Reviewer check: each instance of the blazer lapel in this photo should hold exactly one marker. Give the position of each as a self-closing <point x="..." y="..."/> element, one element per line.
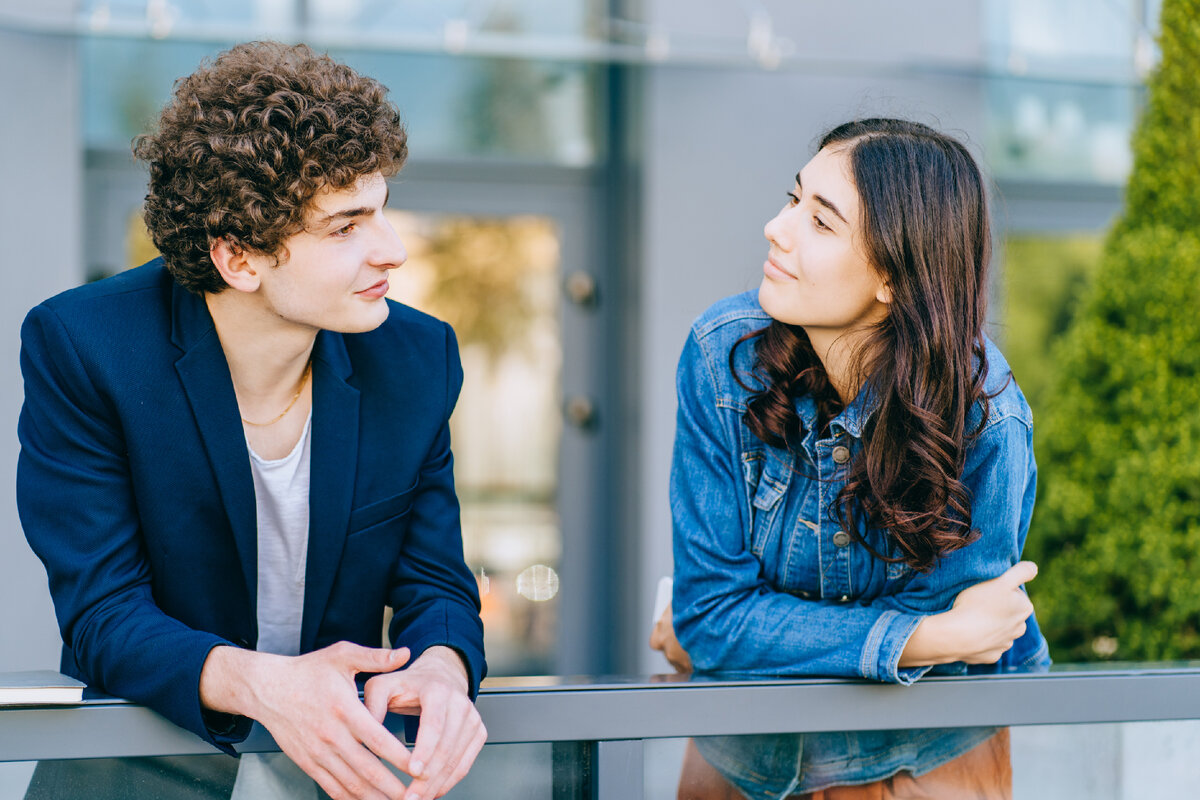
<point x="204" y="373"/>
<point x="334" y="457"/>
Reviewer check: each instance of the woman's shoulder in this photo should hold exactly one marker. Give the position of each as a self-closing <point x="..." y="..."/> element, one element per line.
<point x="1006" y="401"/>
<point x="731" y="318"/>
<point x="714" y="335"/>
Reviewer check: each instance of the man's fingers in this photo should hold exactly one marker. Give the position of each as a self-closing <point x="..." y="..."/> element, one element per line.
<point x="429" y="733"/>
<point x="458" y="730"/>
<point x="464" y="764"/>
<point x="365" y="776"/>
<point x="376" y="701"/>
<point x="346" y="770"/>
<point x="368" y="659"/>
<point x="379" y="740"/>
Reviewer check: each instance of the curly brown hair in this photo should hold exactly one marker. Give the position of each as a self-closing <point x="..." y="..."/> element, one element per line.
<point x="247" y="141"/>
<point x="925" y="229"/>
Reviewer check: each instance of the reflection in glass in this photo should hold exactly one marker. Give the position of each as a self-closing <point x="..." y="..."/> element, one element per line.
<point x="1042" y="130"/>
<point x="496" y="282"/>
<point x="1072" y="73"/>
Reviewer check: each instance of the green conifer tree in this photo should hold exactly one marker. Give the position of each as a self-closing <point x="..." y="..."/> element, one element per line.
<point x="1117" y="527"/>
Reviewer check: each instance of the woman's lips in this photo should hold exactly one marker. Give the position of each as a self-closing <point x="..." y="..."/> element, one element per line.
<point x="376" y="291"/>
<point x="773" y="270"/>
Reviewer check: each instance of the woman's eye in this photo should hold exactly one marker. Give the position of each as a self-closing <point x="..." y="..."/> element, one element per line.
<point x="792" y="199"/>
<point x="820" y="224"/>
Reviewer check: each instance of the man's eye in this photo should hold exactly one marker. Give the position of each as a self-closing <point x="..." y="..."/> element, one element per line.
<point x="344" y="231"/>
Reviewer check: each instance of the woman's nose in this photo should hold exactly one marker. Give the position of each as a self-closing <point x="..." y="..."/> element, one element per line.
<point x="775" y="231"/>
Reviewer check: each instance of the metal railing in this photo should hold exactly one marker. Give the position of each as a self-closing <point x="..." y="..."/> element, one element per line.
<point x="598" y="726"/>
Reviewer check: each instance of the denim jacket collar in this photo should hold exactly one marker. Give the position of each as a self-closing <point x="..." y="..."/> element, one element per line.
<point x="852" y="419"/>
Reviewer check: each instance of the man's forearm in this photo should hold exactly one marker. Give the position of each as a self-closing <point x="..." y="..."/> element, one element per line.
<point x="228" y="680"/>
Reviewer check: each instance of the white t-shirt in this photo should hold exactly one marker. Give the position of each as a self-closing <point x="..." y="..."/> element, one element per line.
<point x="281" y="502"/>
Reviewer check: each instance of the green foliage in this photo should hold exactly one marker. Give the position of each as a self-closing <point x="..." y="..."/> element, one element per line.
<point x="1117" y="527"/>
<point x="1044" y="279"/>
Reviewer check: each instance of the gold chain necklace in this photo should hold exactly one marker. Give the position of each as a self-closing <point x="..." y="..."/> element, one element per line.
<point x="295" y="397"/>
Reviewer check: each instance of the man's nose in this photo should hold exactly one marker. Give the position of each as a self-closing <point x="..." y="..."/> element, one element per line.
<point x="389" y="251"/>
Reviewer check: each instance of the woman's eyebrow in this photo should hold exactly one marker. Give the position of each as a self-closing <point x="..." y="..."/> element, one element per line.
<point x="824" y="201"/>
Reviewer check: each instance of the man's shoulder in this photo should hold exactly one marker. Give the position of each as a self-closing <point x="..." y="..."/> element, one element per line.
<point x="152" y="277"/>
<point x="114" y="304"/>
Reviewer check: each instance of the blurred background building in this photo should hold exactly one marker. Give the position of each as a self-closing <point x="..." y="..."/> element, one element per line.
<point x="586" y="176"/>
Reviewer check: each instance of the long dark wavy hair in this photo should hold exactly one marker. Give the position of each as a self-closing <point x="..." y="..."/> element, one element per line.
<point x="925" y="229"/>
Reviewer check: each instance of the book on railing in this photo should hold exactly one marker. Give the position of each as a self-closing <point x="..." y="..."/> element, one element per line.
<point x="39" y="687"/>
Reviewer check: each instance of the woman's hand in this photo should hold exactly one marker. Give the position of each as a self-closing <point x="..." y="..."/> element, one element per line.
<point x="983" y="624"/>
<point x="663" y="638"/>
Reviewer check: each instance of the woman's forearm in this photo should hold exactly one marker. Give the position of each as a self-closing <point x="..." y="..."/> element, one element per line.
<point x="985" y="621"/>
<point x="931" y="643"/>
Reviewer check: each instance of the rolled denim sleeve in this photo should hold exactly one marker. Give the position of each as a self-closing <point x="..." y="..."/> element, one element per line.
<point x="728" y="616"/>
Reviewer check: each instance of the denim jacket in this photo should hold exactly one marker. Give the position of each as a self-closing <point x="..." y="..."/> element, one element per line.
<point x="766" y="580"/>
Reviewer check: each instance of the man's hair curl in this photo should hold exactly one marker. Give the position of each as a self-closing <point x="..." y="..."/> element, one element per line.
<point x="248" y="140"/>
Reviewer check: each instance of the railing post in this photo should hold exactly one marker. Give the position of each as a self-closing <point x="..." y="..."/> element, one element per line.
<point x="618" y="770"/>
<point x="571" y="768"/>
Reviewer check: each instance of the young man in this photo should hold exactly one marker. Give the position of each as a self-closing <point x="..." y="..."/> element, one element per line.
<point x="234" y="457"/>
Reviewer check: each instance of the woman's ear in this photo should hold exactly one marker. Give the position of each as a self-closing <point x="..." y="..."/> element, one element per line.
<point x="884" y="293"/>
<point x="234" y="264"/>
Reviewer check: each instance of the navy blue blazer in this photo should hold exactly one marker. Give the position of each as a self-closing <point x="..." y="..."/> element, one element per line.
<point x="134" y="489"/>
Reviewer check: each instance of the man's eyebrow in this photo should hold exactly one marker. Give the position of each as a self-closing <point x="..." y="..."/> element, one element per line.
<point x="351" y="213"/>
<point x="824" y="201"/>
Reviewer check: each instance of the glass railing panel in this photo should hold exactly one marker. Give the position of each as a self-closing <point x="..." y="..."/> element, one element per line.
<point x="1117" y="761"/>
<point x="166" y="777"/>
<point x="501" y="770"/>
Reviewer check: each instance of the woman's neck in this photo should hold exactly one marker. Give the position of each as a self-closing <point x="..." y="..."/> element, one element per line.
<point x="840" y="354"/>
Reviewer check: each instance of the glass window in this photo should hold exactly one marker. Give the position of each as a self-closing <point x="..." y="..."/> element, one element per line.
<point x="1046" y="131"/>
<point x="162" y="17"/>
<point x="496" y="281"/>
<point x="455" y="107"/>
<point x="1064" y="86"/>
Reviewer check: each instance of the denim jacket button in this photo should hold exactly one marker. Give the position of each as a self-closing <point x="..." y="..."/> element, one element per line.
<point x="841" y="454"/>
<point x="841" y="538"/>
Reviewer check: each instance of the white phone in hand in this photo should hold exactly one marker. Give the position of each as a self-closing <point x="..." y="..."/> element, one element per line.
<point x="662" y="598"/>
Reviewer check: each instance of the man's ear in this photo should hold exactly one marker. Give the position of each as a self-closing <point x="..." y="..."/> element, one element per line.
<point x="234" y="264"/>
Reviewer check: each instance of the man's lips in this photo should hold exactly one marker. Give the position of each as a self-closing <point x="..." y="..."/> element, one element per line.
<point x="375" y="291"/>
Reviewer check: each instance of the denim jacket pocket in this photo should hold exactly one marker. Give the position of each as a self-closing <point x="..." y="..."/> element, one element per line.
<point x="767" y="480"/>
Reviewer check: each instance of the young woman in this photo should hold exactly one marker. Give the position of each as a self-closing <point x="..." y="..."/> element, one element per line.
<point x="853" y="474"/>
